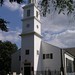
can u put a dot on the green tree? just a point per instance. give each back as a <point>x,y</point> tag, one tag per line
<point>59,5</point>
<point>6,49</point>
<point>18,1</point>
<point>3,23</point>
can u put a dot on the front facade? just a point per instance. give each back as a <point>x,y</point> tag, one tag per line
<point>36,56</point>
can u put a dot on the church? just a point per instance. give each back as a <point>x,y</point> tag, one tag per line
<point>37,57</point>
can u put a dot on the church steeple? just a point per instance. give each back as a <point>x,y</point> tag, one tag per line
<point>31,19</point>
<point>31,1</point>
<point>30,37</point>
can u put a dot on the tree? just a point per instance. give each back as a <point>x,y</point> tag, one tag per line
<point>3,23</point>
<point>59,5</point>
<point>18,1</point>
<point>6,49</point>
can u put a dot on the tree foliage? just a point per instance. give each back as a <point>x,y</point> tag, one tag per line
<point>3,25</point>
<point>18,1</point>
<point>59,5</point>
<point>6,49</point>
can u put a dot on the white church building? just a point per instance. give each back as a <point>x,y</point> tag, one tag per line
<point>37,57</point>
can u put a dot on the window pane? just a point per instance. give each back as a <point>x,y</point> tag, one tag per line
<point>43,56</point>
<point>37,14</point>
<point>47,55</point>
<point>28,13</point>
<point>27,25</point>
<point>19,58</point>
<point>51,56</point>
<point>37,52</point>
<point>27,52</point>
<point>37,26</point>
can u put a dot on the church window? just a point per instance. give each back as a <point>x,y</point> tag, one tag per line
<point>19,58</point>
<point>32,68</point>
<point>37,52</point>
<point>51,56</point>
<point>27,25</point>
<point>37,26</point>
<point>27,52</point>
<point>43,56</point>
<point>21,68</point>
<point>47,55</point>
<point>37,14</point>
<point>28,13</point>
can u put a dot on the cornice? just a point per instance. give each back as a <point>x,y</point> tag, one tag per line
<point>25,19</point>
<point>29,5</point>
<point>25,34</point>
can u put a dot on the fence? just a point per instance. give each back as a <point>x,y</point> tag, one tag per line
<point>47,73</point>
<point>40,73</point>
<point>44,73</point>
<point>14,73</point>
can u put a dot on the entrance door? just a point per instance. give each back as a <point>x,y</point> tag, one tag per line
<point>27,69</point>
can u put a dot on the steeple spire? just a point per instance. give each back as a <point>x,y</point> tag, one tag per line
<point>31,1</point>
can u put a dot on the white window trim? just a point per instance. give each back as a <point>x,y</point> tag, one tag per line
<point>69,57</point>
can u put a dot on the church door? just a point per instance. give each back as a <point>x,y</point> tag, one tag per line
<point>27,69</point>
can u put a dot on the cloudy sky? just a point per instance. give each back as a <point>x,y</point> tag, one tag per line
<point>58,30</point>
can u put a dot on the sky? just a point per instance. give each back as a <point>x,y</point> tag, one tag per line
<point>57,29</point>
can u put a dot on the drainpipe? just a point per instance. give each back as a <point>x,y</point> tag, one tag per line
<point>62,68</point>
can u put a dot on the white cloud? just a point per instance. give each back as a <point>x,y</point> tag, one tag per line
<point>59,30</point>
<point>21,9</point>
<point>63,39</point>
<point>67,38</point>
<point>14,6</point>
<point>12,36</point>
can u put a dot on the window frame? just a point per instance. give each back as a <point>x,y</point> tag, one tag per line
<point>47,56</point>
<point>51,55</point>
<point>28,12</point>
<point>44,56</point>
<point>37,14</point>
<point>37,26</point>
<point>27,25</point>
<point>19,58</point>
<point>27,52</point>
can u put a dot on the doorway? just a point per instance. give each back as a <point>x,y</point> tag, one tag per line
<point>27,69</point>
